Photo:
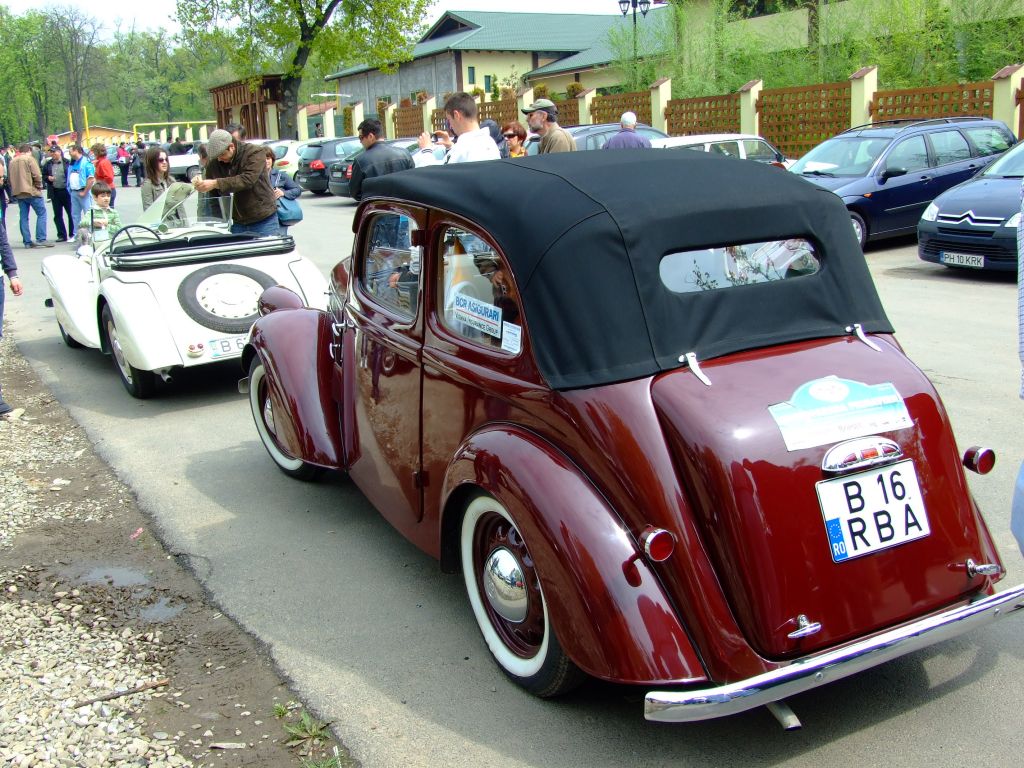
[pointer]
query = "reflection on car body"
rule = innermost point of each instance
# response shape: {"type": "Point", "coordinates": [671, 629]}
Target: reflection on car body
{"type": "Point", "coordinates": [659, 442]}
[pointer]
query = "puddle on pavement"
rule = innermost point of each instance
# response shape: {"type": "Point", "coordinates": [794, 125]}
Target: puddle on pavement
{"type": "Point", "coordinates": [161, 610]}
{"type": "Point", "coordinates": [115, 576]}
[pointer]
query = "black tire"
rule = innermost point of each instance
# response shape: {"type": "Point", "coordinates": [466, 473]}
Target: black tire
{"type": "Point", "coordinates": [319, 191]}
{"type": "Point", "coordinates": [140, 384]}
{"type": "Point", "coordinates": [515, 624]}
{"type": "Point", "coordinates": [263, 415]}
{"type": "Point", "coordinates": [198, 295]}
{"type": "Point", "coordinates": [68, 339]}
{"type": "Point", "coordinates": [860, 228]}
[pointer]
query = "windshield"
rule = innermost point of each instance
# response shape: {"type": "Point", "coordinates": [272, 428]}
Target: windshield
{"type": "Point", "coordinates": [842, 156]}
{"type": "Point", "coordinates": [181, 206]}
{"type": "Point", "coordinates": [1010, 165]}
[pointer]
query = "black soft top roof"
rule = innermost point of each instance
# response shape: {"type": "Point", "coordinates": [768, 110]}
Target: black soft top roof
{"type": "Point", "coordinates": [584, 233]}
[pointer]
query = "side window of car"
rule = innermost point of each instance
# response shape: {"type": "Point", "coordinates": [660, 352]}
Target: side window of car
{"type": "Point", "coordinates": [949, 147]}
{"type": "Point", "coordinates": [390, 271]}
{"type": "Point", "coordinates": [910, 154]}
{"type": "Point", "coordinates": [758, 150]}
{"type": "Point", "coordinates": [479, 301]}
{"type": "Point", "coordinates": [727, 148]}
{"type": "Point", "coordinates": [988, 139]}
{"type": "Point", "coordinates": [650, 133]}
{"type": "Point", "coordinates": [597, 140]}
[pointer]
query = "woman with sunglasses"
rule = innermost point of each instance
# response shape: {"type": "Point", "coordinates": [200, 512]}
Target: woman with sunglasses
{"type": "Point", "coordinates": [515, 135]}
{"type": "Point", "coordinates": [158, 176]}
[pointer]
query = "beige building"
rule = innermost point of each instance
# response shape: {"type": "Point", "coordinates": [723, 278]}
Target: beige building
{"type": "Point", "coordinates": [466, 50]}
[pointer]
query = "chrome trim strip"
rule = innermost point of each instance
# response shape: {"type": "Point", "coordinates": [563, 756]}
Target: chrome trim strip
{"type": "Point", "coordinates": [805, 674]}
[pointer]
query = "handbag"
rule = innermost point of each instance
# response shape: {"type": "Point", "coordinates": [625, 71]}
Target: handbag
{"type": "Point", "coordinates": [288, 212]}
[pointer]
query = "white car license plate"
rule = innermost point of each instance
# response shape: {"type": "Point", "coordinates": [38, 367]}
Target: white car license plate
{"type": "Point", "coordinates": [337, 175]}
{"type": "Point", "coordinates": [230, 347]}
{"type": "Point", "coordinates": [962, 259]}
{"type": "Point", "coordinates": [870, 511]}
{"type": "Point", "coordinates": [300, 178]}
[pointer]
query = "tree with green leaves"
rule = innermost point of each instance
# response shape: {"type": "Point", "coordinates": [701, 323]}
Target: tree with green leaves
{"type": "Point", "coordinates": [264, 36]}
{"type": "Point", "coordinates": [72, 41]}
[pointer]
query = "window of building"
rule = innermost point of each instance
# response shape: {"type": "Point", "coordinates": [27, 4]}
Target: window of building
{"type": "Point", "coordinates": [479, 299]}
{"type": "Point", "coordinates": [487, 83]}
{"type": "Point", "coordinates": [471, 75]}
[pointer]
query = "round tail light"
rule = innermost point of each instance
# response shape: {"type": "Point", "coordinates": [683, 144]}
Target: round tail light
{"type": "Point", "coordinates": [980, 460]}
{"type": "Point", "coordinates": [658, 544]}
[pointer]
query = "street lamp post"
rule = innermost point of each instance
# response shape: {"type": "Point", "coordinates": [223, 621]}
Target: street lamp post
{"type": "Point", "coordinates": [645, 6]}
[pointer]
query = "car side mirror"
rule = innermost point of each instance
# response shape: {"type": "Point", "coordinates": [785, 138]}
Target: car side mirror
{"type": "Point", "coordinates": [890, 173]}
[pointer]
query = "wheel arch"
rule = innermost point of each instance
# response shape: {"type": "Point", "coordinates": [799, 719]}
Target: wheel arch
{"type": "Point", "coordinates": [606, 606]}
{"type": "Point", "coordinates": [306, 413]}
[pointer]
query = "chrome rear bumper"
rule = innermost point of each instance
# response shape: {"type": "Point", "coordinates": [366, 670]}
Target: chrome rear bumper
{"type": "Point", "coordinates": [804, 674]}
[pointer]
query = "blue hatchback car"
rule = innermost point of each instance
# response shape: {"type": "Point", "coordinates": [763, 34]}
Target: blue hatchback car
{"type": "Point", "coordinates": [888, 172]}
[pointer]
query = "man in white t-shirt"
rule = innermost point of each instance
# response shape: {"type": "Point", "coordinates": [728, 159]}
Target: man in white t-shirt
{"type": "Point", "coordinates": [471, 143]}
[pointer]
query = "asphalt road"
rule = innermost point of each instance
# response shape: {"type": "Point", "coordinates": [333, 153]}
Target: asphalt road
{"type": "Point", "coordinates": [385, 646]}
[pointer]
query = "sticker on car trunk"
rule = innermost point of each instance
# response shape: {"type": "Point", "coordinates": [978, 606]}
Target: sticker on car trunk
{"type": "Point", "coordinates": [832, 409]}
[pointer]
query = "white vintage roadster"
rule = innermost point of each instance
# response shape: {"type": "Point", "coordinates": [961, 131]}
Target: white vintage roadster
{"type": "Point", "coordinates": [174, 289]}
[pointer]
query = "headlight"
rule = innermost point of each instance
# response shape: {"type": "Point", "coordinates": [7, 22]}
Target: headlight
{"type": "Point", "coordinates": [930, 212]}
{"type": "Point", "coordinates": [1013, 221]}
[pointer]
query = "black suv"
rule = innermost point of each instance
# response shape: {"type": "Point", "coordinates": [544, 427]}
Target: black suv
{"type": "Point", "coordinates": [316, 156]}
{"type": "Point", "coordinates": [887, 172]}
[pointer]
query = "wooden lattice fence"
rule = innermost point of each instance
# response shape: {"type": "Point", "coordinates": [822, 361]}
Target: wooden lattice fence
{"type": "Point", "coordinates": [501, 112]}
{"type": "Point", "coordinates": [796, 119]}
{"type": "Point", "coordinates": [568, 112]}
{"type": "Point", "coordinates": [608, 109]}
{"type": "Point", "coordinates": [408, 122]}
{"type": "Point", "coordinates": [934, 101]}
{"type": "Point", "coordinates": [704, 114]}
{"type": "Point", "coordinates": [438, 120]}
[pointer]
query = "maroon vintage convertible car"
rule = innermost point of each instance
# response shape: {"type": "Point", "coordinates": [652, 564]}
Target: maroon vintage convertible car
{"type": "Point", "coordinates": [652, 408]}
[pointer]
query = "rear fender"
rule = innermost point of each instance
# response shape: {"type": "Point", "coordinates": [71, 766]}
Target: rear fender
{"type": "Point", "coordinates": [73, 289]}
{"type": "Point", "coordinates": [607, 608]}
{"type": "Point", "coordinates": [294, 347]}
{"type": "Point", "coordinates": [142, 330]}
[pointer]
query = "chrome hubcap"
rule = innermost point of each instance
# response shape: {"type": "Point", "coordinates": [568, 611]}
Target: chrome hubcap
{"type": "Point", "coordinates": [268, 415]}
{"type": "Point", "coordinates": [505, 586]}
{"type": "Point", "coordinates": [115, 347]}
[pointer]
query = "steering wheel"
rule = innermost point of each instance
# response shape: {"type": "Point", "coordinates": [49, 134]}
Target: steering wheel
{"type": "Point", "coordinates": [125, 231]}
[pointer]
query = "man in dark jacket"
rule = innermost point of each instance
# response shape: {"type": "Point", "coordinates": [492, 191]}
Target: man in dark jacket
{"type": "Point", "coordinates": [55, 176]}
{"type": "Point", "coordinates": [240, 168]}
{"type": "Point", "coordinates": [379, 159]}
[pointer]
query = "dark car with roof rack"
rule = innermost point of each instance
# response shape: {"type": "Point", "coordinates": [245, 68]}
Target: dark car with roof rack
{"type": "Point", "coordinates": [315, 158]}
{"type": "Point", "coordinates": [889, 171]}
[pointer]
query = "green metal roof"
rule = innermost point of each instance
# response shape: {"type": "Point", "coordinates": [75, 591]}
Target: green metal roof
{"type": "Point", "coordinates": [570, 33]}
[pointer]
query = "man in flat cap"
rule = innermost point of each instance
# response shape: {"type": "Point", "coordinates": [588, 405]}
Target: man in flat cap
{"type": "Point", "coordinates": [240, 168]}
{"type": "Point", "coordinates": [542, 118]}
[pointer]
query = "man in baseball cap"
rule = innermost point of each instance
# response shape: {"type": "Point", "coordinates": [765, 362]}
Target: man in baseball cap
{"type": "Point", "coordinates": [240, 168]}
{"type": "Point", "coordinates": [542, 118]}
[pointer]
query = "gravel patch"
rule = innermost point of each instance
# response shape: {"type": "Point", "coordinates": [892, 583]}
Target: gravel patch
{"type": "Point", "coordinates": [110, 653]}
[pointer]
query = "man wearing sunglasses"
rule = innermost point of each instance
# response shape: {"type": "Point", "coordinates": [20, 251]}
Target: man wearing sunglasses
{"type": "Point", "coordinates": [240, 168]}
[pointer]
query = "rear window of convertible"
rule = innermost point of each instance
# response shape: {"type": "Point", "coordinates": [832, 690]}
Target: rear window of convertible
{"type": "Point", "coordinates": [711, 269]}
